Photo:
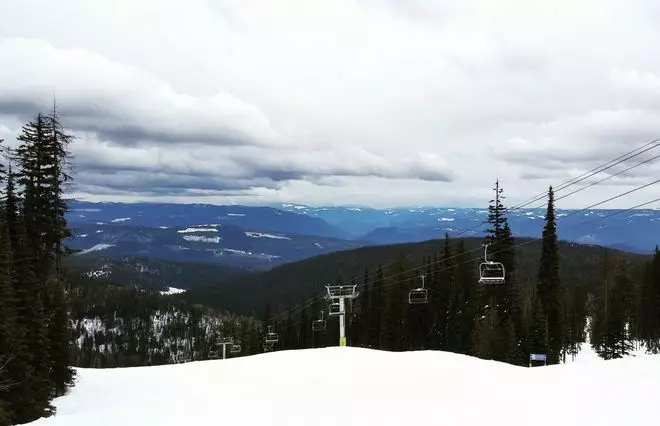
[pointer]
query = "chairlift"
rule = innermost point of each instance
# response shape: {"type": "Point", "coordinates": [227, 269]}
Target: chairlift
{"type": "Point", "coordinates": [235, 347]}
{"type": "Point", "coordinates": [418, 295]}
{"type": "Point", "coordinates": [319, 324]}
{"type": "Point", "coordinates": [271, 337]}
{"type": "Point", "coordinates": [213, 354]}
{"type": "Point", "coordinates": [334, 309]}
{"type": "Point", "coordinates": [491, 272]}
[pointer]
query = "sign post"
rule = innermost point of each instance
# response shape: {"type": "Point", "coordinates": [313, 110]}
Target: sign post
{"type": "Point", "coordinates": [538, 357]}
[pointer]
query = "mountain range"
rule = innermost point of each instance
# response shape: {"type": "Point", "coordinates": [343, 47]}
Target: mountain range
{"type": "Point", "coordinates": [266, 236]}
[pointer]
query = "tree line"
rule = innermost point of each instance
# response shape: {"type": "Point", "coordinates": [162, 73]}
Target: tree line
{"type": "Point", "coordinates": [35, 333]}
{"type": "Point", "coordinates": [504, 322]}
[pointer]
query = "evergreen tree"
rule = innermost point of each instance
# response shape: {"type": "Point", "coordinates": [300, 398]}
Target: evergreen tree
{"type": "Point", "coordinates": [500, 305]}
{"type": "Point", "coordinates": [396, 338]}
{"type": "Point", "coordinates": [376, 316]}
{"type": "Point", "coordinates": [650, 305]}
{"type": "Point", "coordinates": [8, 328]}
{"type": "Point", "coordinates": [537, 343]}
{"type": "Point", "coordinates": [549, 288]}
{"type": "Point", "coordinates": [468, 284]}
{"type": "Point", "coordinates": [364, 320]}
{"type": "Point", "coordinates": [35, 387]}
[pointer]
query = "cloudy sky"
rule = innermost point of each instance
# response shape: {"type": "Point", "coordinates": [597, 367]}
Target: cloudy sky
{"type": "Point", "coordinates": [367, 102]}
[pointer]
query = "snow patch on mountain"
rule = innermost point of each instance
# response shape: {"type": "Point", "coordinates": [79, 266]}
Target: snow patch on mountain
{"type": "Point", "coordinates": [244, 253]}
{"type": "Point", "coordinates": [121, 219]}
{"type": "Point", "coordinates": [97, 247]}
{"type": "Point", "coordinates": [190, 230]}
{"type": "Point", "coordinates": [265, 235]}
{"type": "Point", "coordinates": [202, 239]}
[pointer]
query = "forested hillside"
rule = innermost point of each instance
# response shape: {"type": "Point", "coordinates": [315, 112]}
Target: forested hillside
{"type": "Point", "coordinates": [289, 284]}
{"type": "Point", "coordinates": [119, 326]}
{"type": "Point", "coordinates": [153, 274]}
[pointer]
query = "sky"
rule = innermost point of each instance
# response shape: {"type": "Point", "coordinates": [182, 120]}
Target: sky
{"type": "Point", "coordinates": [379, 103]}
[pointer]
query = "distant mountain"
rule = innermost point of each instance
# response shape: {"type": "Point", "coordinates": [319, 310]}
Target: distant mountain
{"type": "Point", "coordinates": [223, 244]}
{"type": "Point", "coordinates": [165, 214]}
{"type": "Point", "coordinates": [348, 227]}
{"type": "Point", "coordinates": [635, 230]}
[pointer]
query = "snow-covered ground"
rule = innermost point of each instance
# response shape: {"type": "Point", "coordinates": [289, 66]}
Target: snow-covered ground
{"type": "Point", "coordinates": [352, 386]}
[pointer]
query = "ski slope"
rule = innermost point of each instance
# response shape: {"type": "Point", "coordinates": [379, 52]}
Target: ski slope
{"type": "Point", "coordinates": [353, 386]}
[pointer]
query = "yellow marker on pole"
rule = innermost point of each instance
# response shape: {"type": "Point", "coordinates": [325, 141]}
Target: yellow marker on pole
{"type": "Point", "coordinates": [342, 341]}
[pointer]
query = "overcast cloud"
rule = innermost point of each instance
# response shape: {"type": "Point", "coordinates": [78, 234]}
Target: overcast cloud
{"type": "Point", "coordinates": [371, 102]}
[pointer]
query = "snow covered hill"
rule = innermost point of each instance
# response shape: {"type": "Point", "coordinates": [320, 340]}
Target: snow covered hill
{"type": "Point", "coordinates": [351, 386]}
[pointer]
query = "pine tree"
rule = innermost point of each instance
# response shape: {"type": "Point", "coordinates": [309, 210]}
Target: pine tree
{"type": "Point", "coordinates": [537, 343]}
{"type": "Point", "coordinates": [500, 304]}
{"type": "Point", "coordinates": [467, 282]}
{"type": "Point", "coordinates": [650, 305]}
{"type": "Point", "coordinates": [377, 308]}
{"type": "Point", "coordinates": [306, 339]}
{"type": "Point", "coordinates": [362, 329]}
{"type": "Point", "coordinates": [395, 330]}
{"type": "Point", "coordinates": [8, 328]}
{"type": "Point", "coordinates": [36, 386]}
{"type": "Point", "coordinates": [549, 288]}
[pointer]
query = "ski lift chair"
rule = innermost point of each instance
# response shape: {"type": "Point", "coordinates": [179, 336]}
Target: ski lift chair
{"type": "Point", "coordinates": [418, 295]}
{"type": "Point", "coordinates": [334, 309]}
{"type": "Point", "coordinates": [319, 324]}
{"type": "Point", "coordinates": [271, 337]}
{"type": "Point", "coordinates": [235, 347]}
{"type": "Point", "coordinates": [491, 272]}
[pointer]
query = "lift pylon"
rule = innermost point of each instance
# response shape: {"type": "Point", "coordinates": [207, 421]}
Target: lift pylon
{"type": "Point", "coordinates": [337, 294]}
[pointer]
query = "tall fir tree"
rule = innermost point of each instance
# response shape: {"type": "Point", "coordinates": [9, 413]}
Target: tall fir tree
{"type": "Point", "coordinates": [650, 304]}
{"type": "Point", "coordinates": [362, 332]}
{"type": "Point", "coordinates": [549, 289]}
{"type": "Point", "coordinates": [500, 302]}
{"type": "Point", "coordinates": [376, 318]}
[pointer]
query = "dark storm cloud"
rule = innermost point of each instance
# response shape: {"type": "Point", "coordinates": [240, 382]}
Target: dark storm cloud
{"type": "Point", "coordinates": [136, 181]}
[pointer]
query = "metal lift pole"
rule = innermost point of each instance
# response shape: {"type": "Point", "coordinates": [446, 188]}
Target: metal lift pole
{"type": "Point", "coordinates": [342, 330]}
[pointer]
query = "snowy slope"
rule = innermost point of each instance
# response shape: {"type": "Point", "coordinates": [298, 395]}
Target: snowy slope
{"type": "Point", "coordinates": [351, 386]}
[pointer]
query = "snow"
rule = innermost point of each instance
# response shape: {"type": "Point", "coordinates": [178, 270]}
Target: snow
{"type": "Point", "coordinates": [236, 214]}
{"type": "Point", "coordinates": [446, 219]}
{"type": "Point", "coordinates": [353, 386]}
{"type": "Point", "coordinates": [97, 247]}
{"type": "Point", "coordinates": [173, 290]}
{"type": "Point", "coordinates": [264, 235]}
{"type": "Point", "coordinates": [121, 219]}
{"type": "Point", "coordinates": [202, 239]}
{"type": "Point", "coordinates": [189, 230]}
